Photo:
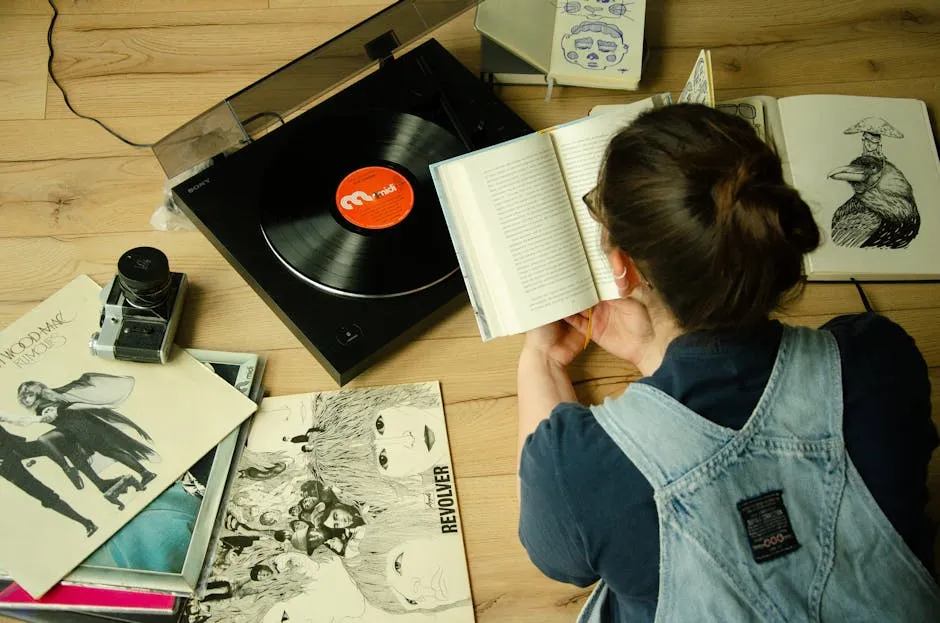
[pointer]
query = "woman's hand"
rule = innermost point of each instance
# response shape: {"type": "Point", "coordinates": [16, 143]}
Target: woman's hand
{"type": "Point", "coordinates": [558, 342]}
{"type": "Point", "coordinates": [542, 378]}
{"type": "Point", "coordinates": [623, 328]}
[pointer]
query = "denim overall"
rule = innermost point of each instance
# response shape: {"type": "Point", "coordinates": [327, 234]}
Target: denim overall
{"type": "Point", "coordinates": [772, 522]}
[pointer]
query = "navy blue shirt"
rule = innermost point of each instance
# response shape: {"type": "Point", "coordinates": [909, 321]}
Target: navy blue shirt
{"type": "Point", "coordinates": [587, 512]}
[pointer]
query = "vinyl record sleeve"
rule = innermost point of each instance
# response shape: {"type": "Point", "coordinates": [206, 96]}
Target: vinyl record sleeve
{"type": "Point", "coordinates": [184, 515]}
{"type": "Point", "coordinates": [344, 506]}
{"type": "Point", "coordinates": [84, 598]}
{"type": "Point", "coordinates": [63, 409]}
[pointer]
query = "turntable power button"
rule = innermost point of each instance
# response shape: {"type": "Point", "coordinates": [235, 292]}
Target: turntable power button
{"type": "Point", "coordinates": [347, 334]}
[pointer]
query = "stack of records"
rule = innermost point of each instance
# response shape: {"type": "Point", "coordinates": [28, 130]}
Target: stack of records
{"type": "Point", "coordinates": [148, 569]}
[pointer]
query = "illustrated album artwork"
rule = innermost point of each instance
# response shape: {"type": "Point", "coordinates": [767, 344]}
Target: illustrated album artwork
{"type": "Point", "coordinates": [183, 517]}
{"type": "Point", "coordinates": [86, 442]}
{"type": "Point", "coordinates": [343, 508]}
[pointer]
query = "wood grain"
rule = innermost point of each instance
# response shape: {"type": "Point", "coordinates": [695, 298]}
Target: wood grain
{"type": "Point", "coordinates": [23, 70]}
{"type": "Point", "coordinates": [72, 197]}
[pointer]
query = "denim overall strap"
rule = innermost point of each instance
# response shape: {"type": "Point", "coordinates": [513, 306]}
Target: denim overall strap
{"type": "Point", "coordinates": [665, 440]}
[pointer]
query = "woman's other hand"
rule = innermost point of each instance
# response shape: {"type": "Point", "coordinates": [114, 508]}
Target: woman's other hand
{"type": "Point", "coordinates": [623, 328]}
{"type": "Point", "coordinates": [558, 342]}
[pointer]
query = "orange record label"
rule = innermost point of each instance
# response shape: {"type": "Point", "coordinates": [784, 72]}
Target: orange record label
{"type": "Point", "coordinates": [375, 197]}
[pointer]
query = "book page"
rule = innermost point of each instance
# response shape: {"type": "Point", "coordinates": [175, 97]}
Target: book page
{"type": "Point", "coordinates": [598, 42]}
{"type": "Point", "coordinates": [524, 236]}
{"type": "Point", "coordinates": [580, 146]}
{"type": "Point", "coordinates": [748, 109]}
{"type": "Point", "coordinates": [699, 87]}
{"type": "Point", "coordinates": [763, 113]}
{"type": "Point", "coordinates": [524, 27]}
{"type": "Point", "coordinates": [868, 168]}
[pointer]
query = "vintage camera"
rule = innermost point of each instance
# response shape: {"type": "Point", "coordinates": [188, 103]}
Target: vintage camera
{"type": "Point", "coordinates": [142, 308]}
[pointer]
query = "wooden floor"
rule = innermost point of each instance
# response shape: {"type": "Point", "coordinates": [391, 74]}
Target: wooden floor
{"type": "Point", "coordinates": [72, 198]}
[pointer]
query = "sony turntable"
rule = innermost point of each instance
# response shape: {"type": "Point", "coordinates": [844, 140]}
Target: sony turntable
{"type": "Point", "coordinates": [331, 216]}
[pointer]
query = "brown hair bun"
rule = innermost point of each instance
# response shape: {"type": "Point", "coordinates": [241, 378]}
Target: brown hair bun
{"type": "Point", "coordinates": [700, 203]}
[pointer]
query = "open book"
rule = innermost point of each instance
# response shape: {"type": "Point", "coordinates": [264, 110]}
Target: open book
{"type": "Point", "coordinates": [528, 248]}
{"type": "Point", "coordinates": [868, 168]}
{"type": "Point", "coordinates": [591, 43]}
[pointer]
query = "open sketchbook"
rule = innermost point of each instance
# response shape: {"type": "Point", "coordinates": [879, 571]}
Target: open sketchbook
{"type": "Point", "coordinates": [529, 249]}
{"type": "Point", "coordinates": [87, 443]}
{"type": "Point", "coordinates": [591, 43]}
{"type": "Point", "coordinates": [868, 168]}
{"type": "Point", "coordinates": [343, 508]}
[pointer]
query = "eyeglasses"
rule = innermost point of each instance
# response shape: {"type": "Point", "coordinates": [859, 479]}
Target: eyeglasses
{"type": "Point", "coordinates": [742, 109]}
{"type": "Point", "coordinates": [590, 200]}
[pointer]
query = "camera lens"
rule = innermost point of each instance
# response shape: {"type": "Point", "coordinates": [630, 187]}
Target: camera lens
{"type": "Point", "coordinates": [144, 276]}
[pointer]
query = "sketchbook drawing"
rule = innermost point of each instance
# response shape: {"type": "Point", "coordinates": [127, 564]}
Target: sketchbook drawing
{"type": "Point", "coordinates": [698, 88]}
{"type": "Point", "coordinates": [344, 508]}
{"type": "Point", "coordinates": [594, 45]}
{"type": "Point", "coordinates": [750, 110]}
{"type": "Point", "coordinates": [881, 213]}
{"type": "Point", "coordinates": [86, 443]}
{"type": "Point", "coordinates": [598, 9]}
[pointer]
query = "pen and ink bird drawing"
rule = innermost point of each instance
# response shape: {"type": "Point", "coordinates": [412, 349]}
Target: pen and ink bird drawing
{"type": "Point", "coordinates": [882, 212]}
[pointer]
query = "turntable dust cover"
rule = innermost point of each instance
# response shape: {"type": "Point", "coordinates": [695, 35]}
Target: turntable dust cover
{"type": "Point", "coordinates": [87, 442]}
{"type": "Point", "coordinates": [344, 508]}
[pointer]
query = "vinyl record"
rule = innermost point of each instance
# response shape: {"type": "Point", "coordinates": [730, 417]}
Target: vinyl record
{"type": "Point", "coordinates": [354, 210]}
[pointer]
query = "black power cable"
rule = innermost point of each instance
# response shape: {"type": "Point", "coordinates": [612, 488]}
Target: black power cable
{"type": "Point", "coordinates": [55, 15]}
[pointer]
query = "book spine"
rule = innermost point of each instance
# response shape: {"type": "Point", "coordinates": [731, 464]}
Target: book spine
{"type": "Point", "coordinates": [461, 253]}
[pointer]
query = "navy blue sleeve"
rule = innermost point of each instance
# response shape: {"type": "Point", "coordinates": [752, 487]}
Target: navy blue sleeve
{"type": "Point", "coordinates": [887, 422]}
{"type": "Point", "coordinates": [549, 529]}
{"type": "Point", "coordinates": [586, 511]}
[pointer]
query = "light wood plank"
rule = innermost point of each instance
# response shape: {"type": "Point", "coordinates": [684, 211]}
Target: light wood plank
{"type": "Point", "coordinates": [691, 24]}
{"type": "Point", "coordinates": [85, 195]}
{"type": "Point", "coordinates": [25, 7]}
{"type": "Point", "coordinates": [506, 585]}
{"type": "Point", "coordinates": [23, 56]}
{"type": "Point", "coordinates": [329, 6]}
{"type": "Point", "coordinates": [98, 7]}
{"type": "Point", "coordinates": [192, 59]}
{"type": "Point", "coordinates": [58, 139]}
{"type": "Point", "coordinates": [136, 53]}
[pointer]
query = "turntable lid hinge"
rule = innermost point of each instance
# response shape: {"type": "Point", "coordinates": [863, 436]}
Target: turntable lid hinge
{"type": "Point", "coordinates": [383, 47]}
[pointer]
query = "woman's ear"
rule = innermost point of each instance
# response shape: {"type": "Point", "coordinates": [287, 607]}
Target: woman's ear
{"type": "Point", "coordinates": [627, 275]}
{"type": "Point", "coordinates": [619, 261]}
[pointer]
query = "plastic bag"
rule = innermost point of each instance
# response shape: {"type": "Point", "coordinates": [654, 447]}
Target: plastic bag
{"type": "Point", "coordinates": [168, 216]}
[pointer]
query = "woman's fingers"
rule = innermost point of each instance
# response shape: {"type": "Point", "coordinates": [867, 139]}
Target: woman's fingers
{"type": "Point", "coordinates": [578, 322]}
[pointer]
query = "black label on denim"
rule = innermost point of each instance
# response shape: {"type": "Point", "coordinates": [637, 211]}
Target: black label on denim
{"type": "Point", "coordinates": [768, 526]}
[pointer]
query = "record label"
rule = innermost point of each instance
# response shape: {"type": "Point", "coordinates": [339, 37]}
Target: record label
{"type": "Point", "coordinates": [375, 197]}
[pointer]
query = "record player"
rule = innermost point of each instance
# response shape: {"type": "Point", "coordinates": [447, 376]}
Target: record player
{"type": "Point", "coordinates": [314, 182]}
